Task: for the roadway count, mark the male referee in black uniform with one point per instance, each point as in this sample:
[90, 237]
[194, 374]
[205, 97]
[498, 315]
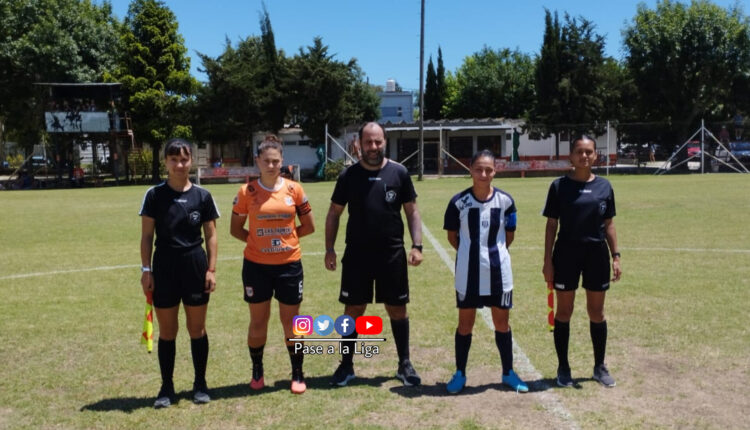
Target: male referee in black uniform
[375, 188]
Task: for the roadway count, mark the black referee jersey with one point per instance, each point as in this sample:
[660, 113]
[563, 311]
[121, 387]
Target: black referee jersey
[178, 216]
[581, 208]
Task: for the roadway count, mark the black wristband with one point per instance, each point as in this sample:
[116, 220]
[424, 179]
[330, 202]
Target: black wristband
[615, 255]
[417, 247]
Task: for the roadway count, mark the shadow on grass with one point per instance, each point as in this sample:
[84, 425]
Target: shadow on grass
[323, 382]
[129, 404]
[439, 389]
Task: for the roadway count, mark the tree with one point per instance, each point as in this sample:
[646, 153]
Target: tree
[440, 80]
[570, 80]
[688, 62]
[49, 41]
[432, 105]
[325, 91]
[492, 83]
[155, 71]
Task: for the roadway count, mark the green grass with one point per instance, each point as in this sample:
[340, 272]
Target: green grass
[71, 324]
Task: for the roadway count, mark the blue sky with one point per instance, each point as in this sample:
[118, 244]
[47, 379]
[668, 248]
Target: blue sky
[384, 35]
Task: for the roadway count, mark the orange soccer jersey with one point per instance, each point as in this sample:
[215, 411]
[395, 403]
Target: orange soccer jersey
[272, 237]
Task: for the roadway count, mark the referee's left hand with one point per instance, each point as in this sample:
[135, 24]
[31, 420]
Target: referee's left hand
[210, 282]
[415, 257]
[616, 271]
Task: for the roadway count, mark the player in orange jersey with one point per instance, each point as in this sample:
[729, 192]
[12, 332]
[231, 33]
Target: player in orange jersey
[263, 216]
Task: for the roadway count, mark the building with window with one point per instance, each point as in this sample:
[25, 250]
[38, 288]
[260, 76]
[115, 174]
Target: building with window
[396, 106]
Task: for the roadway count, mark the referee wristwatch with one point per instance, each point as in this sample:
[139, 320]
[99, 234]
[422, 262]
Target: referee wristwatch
[417, 247]
[615, 255]
[145, 269]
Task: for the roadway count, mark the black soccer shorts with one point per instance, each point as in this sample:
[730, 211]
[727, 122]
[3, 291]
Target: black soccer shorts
[180, 276]
[573, 259]
[386, 268]
[263, 281]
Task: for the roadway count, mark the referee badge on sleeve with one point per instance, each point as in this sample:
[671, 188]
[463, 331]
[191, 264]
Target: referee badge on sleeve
[602, 208]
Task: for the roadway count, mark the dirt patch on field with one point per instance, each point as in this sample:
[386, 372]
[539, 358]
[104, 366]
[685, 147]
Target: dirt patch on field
[653, 391]
[665, 391]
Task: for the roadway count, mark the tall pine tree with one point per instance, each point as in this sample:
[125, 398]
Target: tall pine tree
[432, 104]
[441, 89]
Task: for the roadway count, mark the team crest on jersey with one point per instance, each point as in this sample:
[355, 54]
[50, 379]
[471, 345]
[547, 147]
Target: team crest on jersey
[485, 223]
[288, 200]
[250, 188]
[464, 202]
[390, 196]
[602, 208]
[195, 217]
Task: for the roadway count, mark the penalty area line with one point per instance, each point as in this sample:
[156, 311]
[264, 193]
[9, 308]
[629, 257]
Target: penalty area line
[549, 399]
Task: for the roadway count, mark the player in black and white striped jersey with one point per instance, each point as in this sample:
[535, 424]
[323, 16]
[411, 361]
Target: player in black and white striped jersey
[481, 224]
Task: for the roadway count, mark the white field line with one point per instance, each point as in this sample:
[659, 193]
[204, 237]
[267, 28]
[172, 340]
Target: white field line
[437, 249]
[549, 400]
[522, 248]
[101, 268]
[657, 249]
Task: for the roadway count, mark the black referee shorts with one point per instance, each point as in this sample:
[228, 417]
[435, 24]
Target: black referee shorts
[180, 276]
[386, 268]
[573, 259]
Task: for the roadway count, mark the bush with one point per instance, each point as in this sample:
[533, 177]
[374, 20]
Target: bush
[333, 169]
[14, 161]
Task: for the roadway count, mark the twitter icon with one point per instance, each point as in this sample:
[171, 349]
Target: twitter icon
[323, 325]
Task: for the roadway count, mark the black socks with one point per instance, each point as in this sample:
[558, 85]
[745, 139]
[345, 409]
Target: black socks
[562, 337]
[504, 342]
[400, 330]
[463, 344]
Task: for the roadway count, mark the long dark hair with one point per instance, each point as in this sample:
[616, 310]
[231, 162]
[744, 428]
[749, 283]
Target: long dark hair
[270, 141]
[483, 153]
[178, 146]
[579, 138]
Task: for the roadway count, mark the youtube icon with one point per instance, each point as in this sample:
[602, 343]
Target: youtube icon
[369, 324]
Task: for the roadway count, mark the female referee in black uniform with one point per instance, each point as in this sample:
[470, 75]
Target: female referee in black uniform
[181, 272]
[583, 204]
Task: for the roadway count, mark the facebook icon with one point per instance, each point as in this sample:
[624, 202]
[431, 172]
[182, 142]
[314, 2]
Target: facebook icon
[344, 325]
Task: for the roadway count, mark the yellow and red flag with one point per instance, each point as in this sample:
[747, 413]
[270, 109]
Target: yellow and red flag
[147, 337]
[550, 307]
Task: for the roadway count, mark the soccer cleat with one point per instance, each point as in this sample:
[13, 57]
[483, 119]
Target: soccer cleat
[165, 398]
[601, 374]
[513, 381]
[257, 382]
[343, 374]
[563, 378]
[298, 381]
[407, 374]
[200, 394]
[457, 383]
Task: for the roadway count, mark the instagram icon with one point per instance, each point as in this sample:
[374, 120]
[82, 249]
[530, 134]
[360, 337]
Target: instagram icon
[302, 325]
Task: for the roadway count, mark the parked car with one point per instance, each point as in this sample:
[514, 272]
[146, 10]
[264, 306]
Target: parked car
[693, 148]
[741, 151]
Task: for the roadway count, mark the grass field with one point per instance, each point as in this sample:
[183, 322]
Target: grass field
[679, 343]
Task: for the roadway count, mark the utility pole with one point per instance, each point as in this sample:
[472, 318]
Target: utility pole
[421, 98]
